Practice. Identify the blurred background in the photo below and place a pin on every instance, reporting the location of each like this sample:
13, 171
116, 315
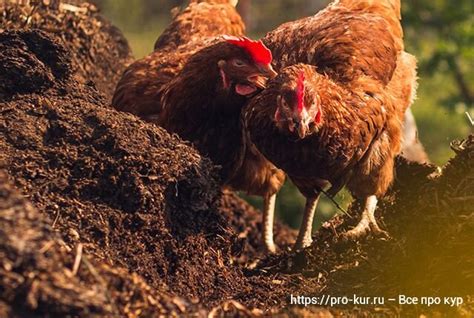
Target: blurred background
439, 32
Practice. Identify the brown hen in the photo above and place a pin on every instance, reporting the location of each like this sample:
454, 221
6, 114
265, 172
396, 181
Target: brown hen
203, 104
337, 121
350, 38
140, 89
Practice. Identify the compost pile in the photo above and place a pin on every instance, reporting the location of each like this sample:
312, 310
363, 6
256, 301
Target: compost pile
102, 214
430, 218
98, 50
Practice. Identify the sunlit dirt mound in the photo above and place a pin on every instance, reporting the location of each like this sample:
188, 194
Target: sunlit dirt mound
99, 51
430, 218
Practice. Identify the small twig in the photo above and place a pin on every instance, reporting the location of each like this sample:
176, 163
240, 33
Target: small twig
56, 218
28, 17
461, 184
437, 201
101, 281
94, 273
333, 228
72, 8
46, 247
466, 198
77, 261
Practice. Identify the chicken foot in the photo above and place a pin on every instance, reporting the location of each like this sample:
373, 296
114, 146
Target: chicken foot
304, 236
268, 219
368, 221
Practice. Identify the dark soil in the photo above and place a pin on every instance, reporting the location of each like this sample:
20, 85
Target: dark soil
39, 278
158, 236
98, 50
430, 217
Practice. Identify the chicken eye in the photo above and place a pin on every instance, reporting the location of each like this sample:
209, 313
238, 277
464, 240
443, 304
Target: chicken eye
239, 63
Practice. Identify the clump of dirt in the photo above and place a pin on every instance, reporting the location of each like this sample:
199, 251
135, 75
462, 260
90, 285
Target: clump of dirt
135, 195
23, 72
40, 275
99, 51
245, 220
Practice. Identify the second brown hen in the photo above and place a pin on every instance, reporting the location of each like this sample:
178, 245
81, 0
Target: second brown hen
336, 119
177, 87
140, 88
203, 104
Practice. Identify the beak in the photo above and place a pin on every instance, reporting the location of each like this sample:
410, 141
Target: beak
301, 130
267, 70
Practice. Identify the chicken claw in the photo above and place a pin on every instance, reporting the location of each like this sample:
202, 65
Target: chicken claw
367, 223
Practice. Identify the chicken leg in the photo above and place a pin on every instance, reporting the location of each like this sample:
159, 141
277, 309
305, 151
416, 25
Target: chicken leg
304, 236
268, 217
368, 221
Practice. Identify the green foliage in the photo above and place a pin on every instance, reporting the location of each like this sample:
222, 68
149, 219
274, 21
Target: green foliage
438, 125
441, 32
142, 21
140, 40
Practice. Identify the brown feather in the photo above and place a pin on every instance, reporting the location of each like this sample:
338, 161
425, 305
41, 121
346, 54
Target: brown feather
201, 19
341, 42
359, 138
140, 89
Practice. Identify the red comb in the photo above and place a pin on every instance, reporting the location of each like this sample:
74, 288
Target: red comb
257, 50
300, 91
